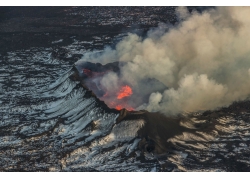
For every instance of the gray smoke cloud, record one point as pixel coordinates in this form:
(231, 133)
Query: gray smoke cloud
(204, 61)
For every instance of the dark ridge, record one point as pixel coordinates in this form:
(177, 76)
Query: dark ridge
(99, 103)
(98, 67)
(75, 77)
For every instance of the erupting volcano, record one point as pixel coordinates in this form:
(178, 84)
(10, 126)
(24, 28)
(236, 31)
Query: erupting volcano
(117, 97)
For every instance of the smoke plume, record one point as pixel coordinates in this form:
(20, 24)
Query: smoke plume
(203, 62)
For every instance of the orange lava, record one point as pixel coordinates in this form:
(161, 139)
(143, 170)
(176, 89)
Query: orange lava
(118, 102)
(118, 107)
(124, 92)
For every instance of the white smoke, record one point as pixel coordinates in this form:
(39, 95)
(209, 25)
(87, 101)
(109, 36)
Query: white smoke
(204, 61)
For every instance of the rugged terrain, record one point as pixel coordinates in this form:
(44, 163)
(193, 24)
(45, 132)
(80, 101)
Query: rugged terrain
(51, 122)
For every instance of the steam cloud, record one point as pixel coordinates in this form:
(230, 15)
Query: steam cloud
(204, 61)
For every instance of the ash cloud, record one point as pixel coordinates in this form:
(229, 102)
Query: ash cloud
(204, 61)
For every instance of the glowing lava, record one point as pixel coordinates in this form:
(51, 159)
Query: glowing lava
(120, 101)
(124, 92)
(113, 99)
(118, 107)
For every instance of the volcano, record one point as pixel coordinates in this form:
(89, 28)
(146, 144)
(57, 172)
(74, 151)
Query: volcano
(165, 138)
(56, 116)
(123, 96)
(71, 129)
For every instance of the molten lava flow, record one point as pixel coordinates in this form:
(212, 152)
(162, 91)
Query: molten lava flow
(124, 92)
(118, 107)
(120, 104)
(113, 98)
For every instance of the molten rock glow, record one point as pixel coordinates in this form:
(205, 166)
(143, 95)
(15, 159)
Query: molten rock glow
(124, 92)
(121, 100)
(116, 97)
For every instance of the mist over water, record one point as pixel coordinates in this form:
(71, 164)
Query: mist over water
(203, 62)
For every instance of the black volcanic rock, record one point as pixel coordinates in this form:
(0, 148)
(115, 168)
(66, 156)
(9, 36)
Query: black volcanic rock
(50, 121)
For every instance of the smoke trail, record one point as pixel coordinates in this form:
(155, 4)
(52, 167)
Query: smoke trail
(204, 62)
